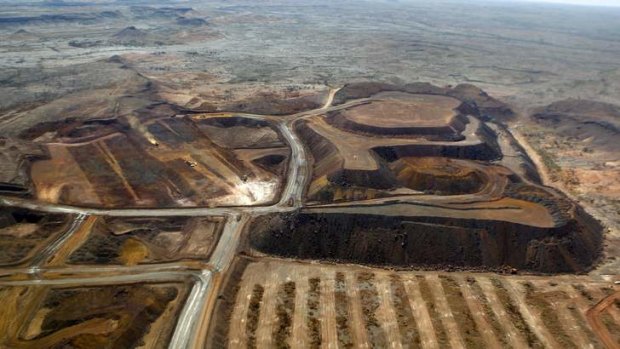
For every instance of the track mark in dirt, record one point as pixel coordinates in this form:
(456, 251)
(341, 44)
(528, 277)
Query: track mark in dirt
(253, 315)
(478, 312)
(313, 323)
(514, 312)
(404, 316)
(369, 298)
(505, 333)
(268, 318)
(358, 333)
(539, 302)
(435, 315)
(447, 317)
(386, 313)
(342, 312)
(602, 323)
(299, 334)
(285, 308)
(578, 306)
(461, 312)
(533, 319)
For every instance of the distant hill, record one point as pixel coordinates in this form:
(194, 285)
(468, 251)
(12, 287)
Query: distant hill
(23, 35)
(130, 34)
(133, 36)
(191, 22)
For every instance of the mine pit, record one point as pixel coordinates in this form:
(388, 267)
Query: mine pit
(440, 176)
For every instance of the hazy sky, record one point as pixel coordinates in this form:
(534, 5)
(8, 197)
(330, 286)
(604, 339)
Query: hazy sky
(582, 2)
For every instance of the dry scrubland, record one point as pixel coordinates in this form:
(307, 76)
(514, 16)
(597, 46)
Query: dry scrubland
(309, 174)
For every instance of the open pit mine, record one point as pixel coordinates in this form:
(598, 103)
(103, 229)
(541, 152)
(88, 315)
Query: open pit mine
(400, 216)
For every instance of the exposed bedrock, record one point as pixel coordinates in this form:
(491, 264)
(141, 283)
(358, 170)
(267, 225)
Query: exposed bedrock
(431, 241)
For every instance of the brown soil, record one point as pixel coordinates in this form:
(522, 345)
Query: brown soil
(102, 317)
(461, 313)
(612, 326)
(237, 132)
(583, 326)
(285, 308)
(219, 333)
(464, 92)
(254, 314)
(440, 331)
(369, 298)
(15, 159)
(401, 114)
(268, 104)
(23, 233)
(515, 314)
(343, 314)
(148, 240)
(313, 322)
(497, 330)
(439, 176)
(410, 336)
(540, 301)
(155, 162)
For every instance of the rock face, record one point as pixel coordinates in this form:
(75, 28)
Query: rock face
(431, 242)
(15, 157)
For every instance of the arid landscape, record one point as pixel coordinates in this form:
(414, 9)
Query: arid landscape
(309, 174)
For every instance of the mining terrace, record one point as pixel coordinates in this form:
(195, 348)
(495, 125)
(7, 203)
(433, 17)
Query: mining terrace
(392, 216)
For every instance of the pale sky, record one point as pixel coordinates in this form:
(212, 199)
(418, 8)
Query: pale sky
(581, 2)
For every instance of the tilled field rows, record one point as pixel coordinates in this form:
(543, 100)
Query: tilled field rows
(317, 306)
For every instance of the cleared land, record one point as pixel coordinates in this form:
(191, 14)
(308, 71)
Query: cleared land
(380, 308)
(90, 316)
(158, 163)
(398, 110)
(143, 241)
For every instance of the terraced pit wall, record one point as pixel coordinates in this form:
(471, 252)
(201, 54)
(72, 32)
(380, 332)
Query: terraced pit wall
(430, 241)
(486, 150)
(331, 164)
(449, 131)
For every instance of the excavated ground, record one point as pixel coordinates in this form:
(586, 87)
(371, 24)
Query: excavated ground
(160, 162)
(147, 240)
(354, 159)
(120, 316)
(430, 241)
